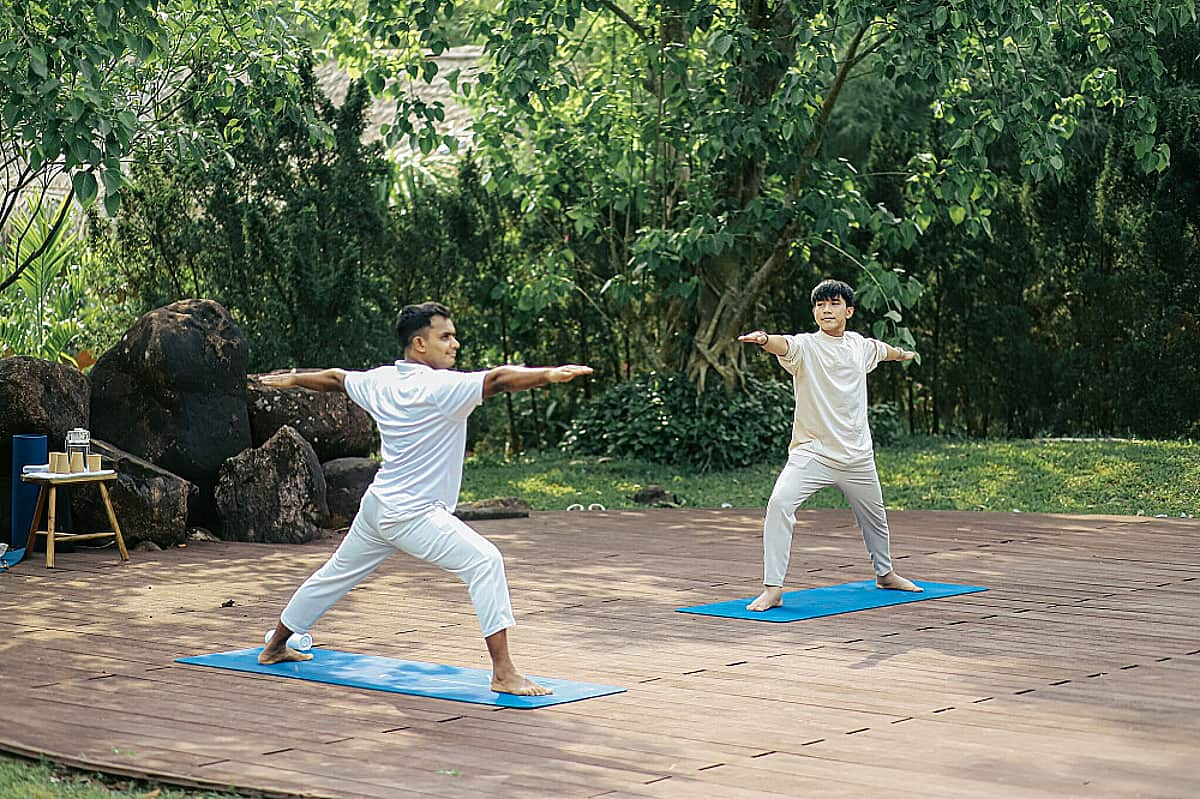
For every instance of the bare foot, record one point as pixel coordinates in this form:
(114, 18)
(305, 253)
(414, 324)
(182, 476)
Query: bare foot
(771, 597)
(518, 685)
(895, 582)
(281, 654)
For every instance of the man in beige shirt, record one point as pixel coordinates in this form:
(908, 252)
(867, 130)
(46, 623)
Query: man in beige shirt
(831, 441)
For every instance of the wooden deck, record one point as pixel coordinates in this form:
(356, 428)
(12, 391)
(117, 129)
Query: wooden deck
(1077, 674)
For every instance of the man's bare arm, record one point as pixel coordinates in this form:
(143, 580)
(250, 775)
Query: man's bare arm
(520, 378)
(776, 345)
(324, 380)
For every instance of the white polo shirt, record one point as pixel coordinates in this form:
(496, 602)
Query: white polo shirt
(829, 380)
(422, 417)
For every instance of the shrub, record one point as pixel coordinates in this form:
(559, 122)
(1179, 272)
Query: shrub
(39, 313)
(887, 426)
(663, 419)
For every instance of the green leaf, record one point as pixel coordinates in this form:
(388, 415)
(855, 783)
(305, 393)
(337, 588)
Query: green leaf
(85, 187)
(105, 16)
(957, 214)
(37, 61)
(112, 180)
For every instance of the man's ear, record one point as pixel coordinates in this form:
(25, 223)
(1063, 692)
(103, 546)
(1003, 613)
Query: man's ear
(849, 311)
(418, 343)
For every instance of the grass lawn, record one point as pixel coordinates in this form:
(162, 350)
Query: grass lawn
(1041, 475)
(22, 779)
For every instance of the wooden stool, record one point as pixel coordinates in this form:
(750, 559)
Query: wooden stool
(46, 499)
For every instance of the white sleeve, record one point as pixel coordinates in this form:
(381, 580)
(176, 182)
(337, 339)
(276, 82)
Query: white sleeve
(791, 360)
(458, 393)
(356, 388)
(874, 351)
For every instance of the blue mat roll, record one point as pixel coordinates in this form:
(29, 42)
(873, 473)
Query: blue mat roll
(402, 677)
(831, 600)
(26, 449)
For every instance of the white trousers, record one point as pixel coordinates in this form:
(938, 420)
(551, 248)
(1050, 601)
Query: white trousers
(802, 477)
(438, 537)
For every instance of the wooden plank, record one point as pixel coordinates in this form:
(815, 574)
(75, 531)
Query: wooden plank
(1086, 646)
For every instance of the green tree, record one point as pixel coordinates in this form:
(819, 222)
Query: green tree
(86, 84)
(681, 150)
(294, 235)
(1076, 315)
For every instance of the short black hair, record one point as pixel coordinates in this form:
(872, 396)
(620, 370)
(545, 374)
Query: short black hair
(415, 318)
(831, 289)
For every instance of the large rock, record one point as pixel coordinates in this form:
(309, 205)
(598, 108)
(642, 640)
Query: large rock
(498, 508)
(173, 391)
(36, 396)
(274, 494)
(329, 420)
(346, 480)
(656, 496)
(151, 503)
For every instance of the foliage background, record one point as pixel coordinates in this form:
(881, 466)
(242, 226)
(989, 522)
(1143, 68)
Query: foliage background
(1037, 240)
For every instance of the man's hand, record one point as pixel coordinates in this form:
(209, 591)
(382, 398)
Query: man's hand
(285, 380)
(907, 355)
(570, 371)
(758, 337)
(772, 345)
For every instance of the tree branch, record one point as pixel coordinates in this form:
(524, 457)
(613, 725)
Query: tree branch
(735, 305)
(871, 48)
(633, 24)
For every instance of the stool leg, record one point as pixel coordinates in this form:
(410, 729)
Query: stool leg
(31, 539)
(112, 519)
(50, 527)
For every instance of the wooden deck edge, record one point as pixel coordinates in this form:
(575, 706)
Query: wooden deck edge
(158, 777)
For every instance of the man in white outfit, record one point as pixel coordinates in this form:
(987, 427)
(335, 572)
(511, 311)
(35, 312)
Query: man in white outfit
(831, 441)
(421, 406)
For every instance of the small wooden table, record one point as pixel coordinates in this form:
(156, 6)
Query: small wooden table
(46, 499)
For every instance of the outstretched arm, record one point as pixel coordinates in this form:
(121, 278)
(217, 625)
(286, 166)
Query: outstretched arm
(897, 354)
(324, 380)
(776, 345)
(519, 378)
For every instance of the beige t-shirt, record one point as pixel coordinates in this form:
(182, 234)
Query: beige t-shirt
(829, 379)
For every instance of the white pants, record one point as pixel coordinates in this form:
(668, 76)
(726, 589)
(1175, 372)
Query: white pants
(800, 479)
(438, 537)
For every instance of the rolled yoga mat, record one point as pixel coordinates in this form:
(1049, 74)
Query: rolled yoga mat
(27, 448)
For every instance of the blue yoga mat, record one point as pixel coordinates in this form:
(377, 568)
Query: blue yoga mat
(831, 600)
(403, 677)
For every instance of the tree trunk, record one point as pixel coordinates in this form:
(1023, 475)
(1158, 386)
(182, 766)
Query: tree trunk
(735, 283)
